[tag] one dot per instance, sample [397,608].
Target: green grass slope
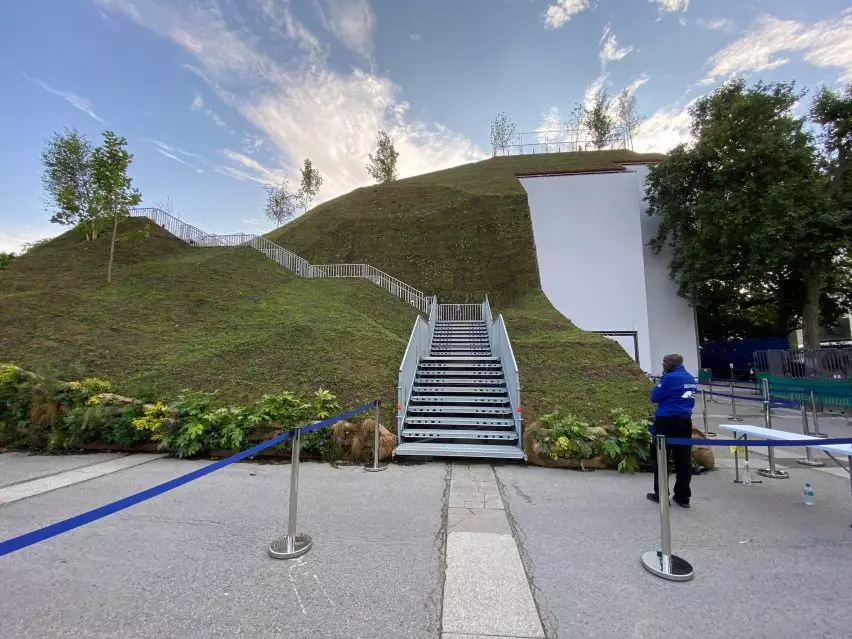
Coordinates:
[208,319]
[465,232]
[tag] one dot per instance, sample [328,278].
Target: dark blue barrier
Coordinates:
[686,441]
[35,536]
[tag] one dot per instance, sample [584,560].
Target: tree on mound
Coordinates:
[382,165]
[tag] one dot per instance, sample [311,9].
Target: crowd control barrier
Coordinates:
[292,544]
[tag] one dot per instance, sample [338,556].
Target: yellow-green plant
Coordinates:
[152,421]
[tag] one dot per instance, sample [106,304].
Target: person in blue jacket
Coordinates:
[675,399]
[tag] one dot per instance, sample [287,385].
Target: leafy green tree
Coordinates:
[748,210]
[382,165]
[67,181]
[502,132]
[599,120]
[310,185]
[113,188]
[281,202]
[6,260]
[628,117]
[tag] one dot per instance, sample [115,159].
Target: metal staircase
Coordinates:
[456,399]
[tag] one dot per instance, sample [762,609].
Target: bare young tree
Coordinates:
[502,131]
[599,120]
[281,202]
[575,123]
[382,165]
[311,183]
[166,206]
[628,117]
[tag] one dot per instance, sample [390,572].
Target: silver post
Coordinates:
[816,432]
[770,472]
[809,456]
[662,562]
[733,416]
[707,433]
[376,438]
[292,545]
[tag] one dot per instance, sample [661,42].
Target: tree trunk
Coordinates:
[112,246]
[810,312]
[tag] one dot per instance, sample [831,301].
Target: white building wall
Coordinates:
[590,233]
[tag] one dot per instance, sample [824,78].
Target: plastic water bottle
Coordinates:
[808,494]
[746,474]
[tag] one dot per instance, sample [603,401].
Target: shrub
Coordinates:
[630,444]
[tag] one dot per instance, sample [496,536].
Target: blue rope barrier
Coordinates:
[776,403]
[686,441]
[35,536]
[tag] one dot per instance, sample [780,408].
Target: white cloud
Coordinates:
[197,103]
[415,37]
[718,24]
[352,21]
[638,82]
[611,51]
[303,108]
[559,13]
[552,128]
[664,130]
[596,85]
[175,153]
[671,5]
[827,43]
[267,176]
[77,101]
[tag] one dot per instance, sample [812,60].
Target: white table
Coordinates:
[770,433]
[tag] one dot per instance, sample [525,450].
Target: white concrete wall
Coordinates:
[590,233]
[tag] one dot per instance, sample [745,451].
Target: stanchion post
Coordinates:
[771,472]
[809,456]
[733,416]
[662,562]
[293,544]
[707,432]
[376,467]
[816,432]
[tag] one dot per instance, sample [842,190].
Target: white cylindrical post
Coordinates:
[292,545]
[662,562]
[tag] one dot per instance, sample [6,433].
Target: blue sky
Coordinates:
[219,97]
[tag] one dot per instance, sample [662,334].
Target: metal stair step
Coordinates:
[461,365]
[460,373]
[441,433]
[458,421]
[451,409]
[460,359]
[481,390]
[456,399]
[437,449]
[438,352]
[432,381]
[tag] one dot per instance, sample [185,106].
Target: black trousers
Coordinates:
[681,455]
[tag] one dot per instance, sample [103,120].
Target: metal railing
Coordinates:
[460,312]
[418,346]
[552,141]
[501,347]
[828,363]
[289,260]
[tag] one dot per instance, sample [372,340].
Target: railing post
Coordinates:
[292,545]
[771,472]
[733,416]
[816,432]
[809,456]
[707,432]
[662,562]
[376,467]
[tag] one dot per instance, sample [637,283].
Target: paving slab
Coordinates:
[766,565]
[17,466]
[193,563]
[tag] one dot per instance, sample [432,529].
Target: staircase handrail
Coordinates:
[287,259]
[418,346]
[501,347]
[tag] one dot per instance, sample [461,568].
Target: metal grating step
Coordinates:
[460,359]
[456,399]
[481,390]
[441,433]
[432,409]
[458,421]
[436,449]
[463,352]
[460,365]
[433,381]
[460,373]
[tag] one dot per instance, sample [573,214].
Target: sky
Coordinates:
[218,98]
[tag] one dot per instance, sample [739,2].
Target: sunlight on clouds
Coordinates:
[610,50]
[827,43]
[352,21]
[664,130]
[304,108]
[672,5]
[559,13]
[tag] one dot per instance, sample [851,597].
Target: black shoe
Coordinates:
[654,497]
[683,503]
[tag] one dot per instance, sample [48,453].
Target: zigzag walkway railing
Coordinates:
[300,266]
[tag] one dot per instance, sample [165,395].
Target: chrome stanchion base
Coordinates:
[773,474]
[819,435]
[290,548]
[678,569]
[810,462]
[376,469]
[710,433]
[735,419]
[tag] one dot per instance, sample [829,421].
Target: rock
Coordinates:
[598,432]
[703,455]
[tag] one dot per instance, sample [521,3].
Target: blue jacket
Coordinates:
[675,393]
